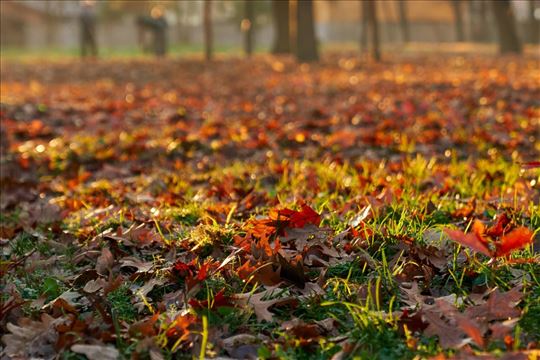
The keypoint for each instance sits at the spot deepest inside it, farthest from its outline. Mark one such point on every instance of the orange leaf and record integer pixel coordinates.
(499, 228)
(516, 239)
(472, 241)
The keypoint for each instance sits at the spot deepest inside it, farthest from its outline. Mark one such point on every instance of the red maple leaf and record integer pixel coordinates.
(516, 239)
(219, 300)
(531, 165)
(473, 241)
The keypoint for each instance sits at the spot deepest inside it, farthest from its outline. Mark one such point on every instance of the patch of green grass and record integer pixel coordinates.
(38, 282)
(347, 270)
(9, 217)
(530, 321)
(23, 244)
(376, 342)
(188, 214)
(319, 350)
(70, 355)
(121, 305)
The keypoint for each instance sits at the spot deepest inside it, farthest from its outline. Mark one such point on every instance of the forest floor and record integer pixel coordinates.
(257, 208)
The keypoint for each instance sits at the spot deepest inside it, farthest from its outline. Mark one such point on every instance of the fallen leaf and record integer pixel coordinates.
(96, 352)
(516, 239)
(472, 241)
(105, 261)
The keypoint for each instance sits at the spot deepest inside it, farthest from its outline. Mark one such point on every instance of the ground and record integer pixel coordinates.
(259, 208)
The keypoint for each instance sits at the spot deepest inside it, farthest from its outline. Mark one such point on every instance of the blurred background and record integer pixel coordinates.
(129, 27)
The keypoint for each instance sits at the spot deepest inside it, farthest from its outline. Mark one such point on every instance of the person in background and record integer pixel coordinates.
(88, 28)
(156, 24)
(160, 31)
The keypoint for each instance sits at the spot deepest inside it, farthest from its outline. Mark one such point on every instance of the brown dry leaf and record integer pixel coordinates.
(96, 352)
(44, 212)
(308, 235)
(259, 306)
(105, 261)
(94, 285)
(32, 339)
(241, 346)
(145, 327)
(499, 306)
(141, 266)
(449, 335)
(501, 329)
(293, 273)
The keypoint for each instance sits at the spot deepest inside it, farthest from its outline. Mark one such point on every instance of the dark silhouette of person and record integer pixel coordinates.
(88, 28)
(157, 25)
(160, 31)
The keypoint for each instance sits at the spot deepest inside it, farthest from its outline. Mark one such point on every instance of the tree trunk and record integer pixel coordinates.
(484, 33)
(404, 21)
(374, 29)
(49, 24)
(364, 27)
(247, 26)
(534, 25)
(282, 42)
(306, 43)
(458, 19)
(474, 23)
(506, 27)
(208, 36)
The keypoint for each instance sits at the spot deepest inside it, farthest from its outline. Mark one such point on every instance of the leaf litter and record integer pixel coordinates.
(331, 210)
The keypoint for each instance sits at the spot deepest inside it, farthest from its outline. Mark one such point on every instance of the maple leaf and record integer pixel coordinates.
(298, 219)
(179, 328)
(246, 270)
(261, 307)
(449, 336)
(516, 239)
(219, 300)
(203, 272)
(453, 326)
(306, 216)
(192, 272)
(472, 241)
(499, 306)
(144, 328)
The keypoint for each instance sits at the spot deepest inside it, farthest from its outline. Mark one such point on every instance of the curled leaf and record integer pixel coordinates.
(516, 239)
(472, 241)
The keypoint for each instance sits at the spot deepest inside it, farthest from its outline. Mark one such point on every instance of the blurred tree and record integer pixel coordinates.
(458, 20)
(87, 20)
(534, 24)
(506, 27)
(49, 24)
(374, 29)
(306, 43)
(403, 20)
(207, 24)
(478, 20)
(247, 24)
(364, 26)
(282, 42)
